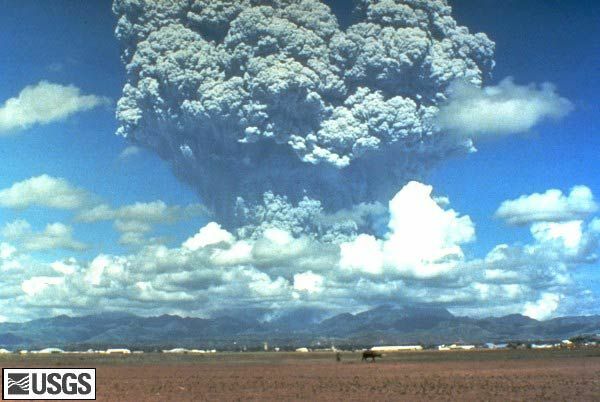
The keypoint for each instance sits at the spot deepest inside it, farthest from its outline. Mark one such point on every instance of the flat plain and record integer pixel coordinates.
(503, 375)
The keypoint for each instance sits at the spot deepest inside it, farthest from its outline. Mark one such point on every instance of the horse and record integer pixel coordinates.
(370, 354)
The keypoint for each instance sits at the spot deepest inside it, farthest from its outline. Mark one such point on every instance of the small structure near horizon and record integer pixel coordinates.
(48, 351)
(176, 350)
(455, 346)
(4, 351)
(302, 350)
(118, 351)
(542, 346)
(490, 345)
(401, 348)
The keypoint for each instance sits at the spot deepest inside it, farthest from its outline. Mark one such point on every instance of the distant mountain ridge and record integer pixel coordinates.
(382, 325)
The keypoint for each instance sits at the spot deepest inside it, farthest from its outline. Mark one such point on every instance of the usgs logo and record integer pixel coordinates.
(48, 383)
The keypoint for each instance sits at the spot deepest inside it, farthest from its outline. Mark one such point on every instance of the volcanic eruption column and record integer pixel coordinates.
(265, 104)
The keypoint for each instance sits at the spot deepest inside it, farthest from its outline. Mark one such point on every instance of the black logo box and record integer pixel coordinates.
(50, 368)
(19, 390)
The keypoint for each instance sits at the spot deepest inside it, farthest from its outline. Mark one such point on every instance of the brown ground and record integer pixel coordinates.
(526, 375)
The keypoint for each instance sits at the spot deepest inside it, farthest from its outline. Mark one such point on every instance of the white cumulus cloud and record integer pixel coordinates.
(552, 206)
(147, 212)
(208, 235)
(504, 109)
(44, 103)
(542, 308)
(423, 239)
(55, 235)
(419, 259)
(45, 191)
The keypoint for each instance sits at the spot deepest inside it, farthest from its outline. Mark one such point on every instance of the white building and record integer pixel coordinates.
(4, 351)
(176, 350)
(49, 350)
(118, 351)
(462, 347)
(302, 350)
(454, 346)
(541, 346)
(496, 345)
(396, 348)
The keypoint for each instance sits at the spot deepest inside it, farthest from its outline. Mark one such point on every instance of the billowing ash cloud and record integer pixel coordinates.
(260, 99)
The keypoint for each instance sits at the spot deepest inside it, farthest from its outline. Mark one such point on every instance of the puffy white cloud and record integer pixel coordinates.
(308, 282)
(363, 253)
(208, 235)
(154, 212)
(569, 234)
(45, 191)
(542, 308)
(37, 284)
(551, 205)
(66, 267)
(215, 270)
(136, 220)
(44, 103)
(6, 250)
(504, 109)
(145, 212)
(423, 239)
(55, 235)
(421, 230)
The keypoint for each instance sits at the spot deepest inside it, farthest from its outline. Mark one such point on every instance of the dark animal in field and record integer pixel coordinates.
(370, 354)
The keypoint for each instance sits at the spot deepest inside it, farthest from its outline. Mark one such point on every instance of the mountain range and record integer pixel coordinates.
(379, 326)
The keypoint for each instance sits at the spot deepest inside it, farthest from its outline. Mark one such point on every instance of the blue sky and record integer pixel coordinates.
(68, 42)
(73, 43)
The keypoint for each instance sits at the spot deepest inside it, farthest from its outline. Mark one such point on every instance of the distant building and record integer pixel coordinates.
(541, 346)
(462, 347)
(176, 350)
(496, 345)
(118, 351)
(4, 351)
(567, 343)
(302, 350)
(396, 348)
(454, 346)
(49, 350)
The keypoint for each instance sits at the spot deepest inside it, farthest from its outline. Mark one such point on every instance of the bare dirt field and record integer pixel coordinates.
(519, 375)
